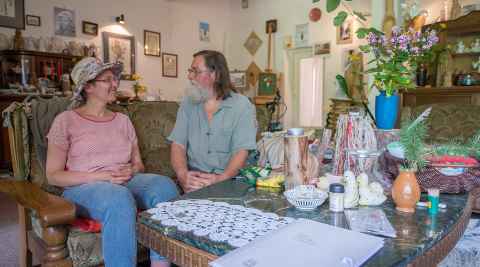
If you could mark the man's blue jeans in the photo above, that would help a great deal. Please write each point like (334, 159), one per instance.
(115, 206)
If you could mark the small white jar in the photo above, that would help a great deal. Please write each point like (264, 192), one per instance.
(336, 193)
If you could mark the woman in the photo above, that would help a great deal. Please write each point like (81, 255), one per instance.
(93, 154)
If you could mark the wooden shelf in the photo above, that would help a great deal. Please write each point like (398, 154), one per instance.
(469, 54)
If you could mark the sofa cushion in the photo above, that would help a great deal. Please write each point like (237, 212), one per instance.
(153, 122)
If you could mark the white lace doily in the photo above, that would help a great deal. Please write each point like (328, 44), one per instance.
(217, 221)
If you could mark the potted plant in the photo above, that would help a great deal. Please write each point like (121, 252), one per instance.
(138, 88)
(405, 189)
(395, 63)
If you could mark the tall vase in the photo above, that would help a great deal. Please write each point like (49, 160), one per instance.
(406, 191)
(386, 110)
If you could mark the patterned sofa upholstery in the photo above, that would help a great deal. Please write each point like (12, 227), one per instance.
(448, 121)
(153, 122)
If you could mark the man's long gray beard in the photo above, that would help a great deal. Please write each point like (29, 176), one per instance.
(197, 94)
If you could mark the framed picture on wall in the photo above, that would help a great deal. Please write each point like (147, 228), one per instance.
(32, 20)
(169, 65)
(89, 28)
(152, 43)
(345, 32)
(267, 84)
(12, 14)
(321, 48)
(120, 48)
(64, 22)
(239, 80)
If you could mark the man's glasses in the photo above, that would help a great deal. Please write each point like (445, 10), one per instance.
(196, 72)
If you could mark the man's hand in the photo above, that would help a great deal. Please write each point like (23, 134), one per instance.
(195, 180)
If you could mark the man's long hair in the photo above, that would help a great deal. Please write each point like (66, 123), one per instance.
(215, 61)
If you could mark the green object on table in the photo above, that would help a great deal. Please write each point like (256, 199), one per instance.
(252, 173)
(433, 204)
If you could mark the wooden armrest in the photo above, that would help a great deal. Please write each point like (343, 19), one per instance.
(51, 210)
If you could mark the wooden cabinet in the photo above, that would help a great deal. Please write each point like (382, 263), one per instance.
(449, 64)
(455, 94)
(23, 68)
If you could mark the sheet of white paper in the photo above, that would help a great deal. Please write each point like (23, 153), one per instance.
(304, 243)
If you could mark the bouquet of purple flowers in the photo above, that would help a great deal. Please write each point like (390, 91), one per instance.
(396, 58)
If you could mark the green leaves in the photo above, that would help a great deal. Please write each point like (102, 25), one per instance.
(340, 18)
(360, 15)
(332, 5)
(363, 32)
(343, 84)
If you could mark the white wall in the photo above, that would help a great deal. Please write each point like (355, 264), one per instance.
(288, 14)
(177, 21)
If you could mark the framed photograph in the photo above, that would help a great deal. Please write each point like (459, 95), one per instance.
(253, 43)
(64, 22)
(321, 48)
(89, 28)
(244, 3)
(267, 84)
(345, 32)
(152, 43)
(271, 26)
(12, 14)
(301, 35)
(32, 20)
(120, 48)
(169, 65)
(239, 80)
(204, 30)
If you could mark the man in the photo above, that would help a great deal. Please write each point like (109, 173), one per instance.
(215, 126)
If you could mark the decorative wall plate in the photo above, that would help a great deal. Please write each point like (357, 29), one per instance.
(252, 43)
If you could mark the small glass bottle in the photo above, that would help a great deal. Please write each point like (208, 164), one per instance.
(337, 192)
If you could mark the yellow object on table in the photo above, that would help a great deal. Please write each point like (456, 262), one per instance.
(272, 181)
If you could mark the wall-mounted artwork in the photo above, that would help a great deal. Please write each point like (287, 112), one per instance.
(267, 84)
(244, 3)
(345, 32)
(89, 28)
(120, 48)
(32, 20)
(271, 26)
(169, 65)
(152, 43)
(12, 14)
(252, 43)
(204, 30)
(252, 74)
(301, 35)
(64, 22)
(239, 80)
(321, 48)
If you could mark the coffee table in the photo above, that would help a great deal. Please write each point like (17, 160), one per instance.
(422, 239)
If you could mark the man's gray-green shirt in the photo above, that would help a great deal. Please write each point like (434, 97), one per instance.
(210, 146)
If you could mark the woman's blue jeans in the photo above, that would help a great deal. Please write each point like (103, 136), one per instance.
(115, 206)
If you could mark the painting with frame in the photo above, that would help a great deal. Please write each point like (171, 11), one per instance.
(89, 28)
(32, 20)
(120, 48)
(12, 14)
(169, 65)
(152, 43)
(239, 80)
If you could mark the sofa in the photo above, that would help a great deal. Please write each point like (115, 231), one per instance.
(49, 234)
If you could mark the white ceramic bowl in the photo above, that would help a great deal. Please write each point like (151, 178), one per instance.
(395, 149)
(305, 197)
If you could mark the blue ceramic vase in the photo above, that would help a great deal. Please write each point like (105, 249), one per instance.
(386, 110)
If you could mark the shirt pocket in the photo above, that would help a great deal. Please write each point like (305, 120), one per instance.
(223, 140)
